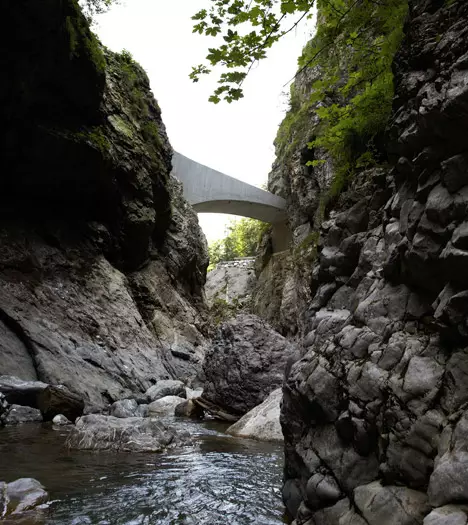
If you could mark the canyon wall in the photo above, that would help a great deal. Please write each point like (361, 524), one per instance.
(374, 409)
(102, 261)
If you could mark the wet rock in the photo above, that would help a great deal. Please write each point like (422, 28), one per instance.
(20, 392)
(189, 408)
(245, 364)
(124, 408)
(24, 494)
(3, 408)
(50, 400)
(55, 400)
(165, 387)
(133, 434)
(3, 499)
(164, 406)
(262, 422)
(61, 420)
(19, 414)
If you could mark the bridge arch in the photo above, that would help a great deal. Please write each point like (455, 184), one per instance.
(210, 191)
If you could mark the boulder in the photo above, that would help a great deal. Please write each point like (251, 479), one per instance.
(124, 408)
(55, 400)
(262, 422)
(191, 394)
(133, 434)
(165, 387)
(245, 364)
(50, 400)
(448, 515)
(390, 505)
(165, 406)
(321, 491)
(189, 408)
(19, 392)
(18, 414)
(61, 420)
(449, 479)
(3, 408)
(22, 495)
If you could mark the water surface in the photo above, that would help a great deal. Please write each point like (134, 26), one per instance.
(217, 480)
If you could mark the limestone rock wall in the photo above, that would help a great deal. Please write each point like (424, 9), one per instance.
(102, 262)
(374, 410)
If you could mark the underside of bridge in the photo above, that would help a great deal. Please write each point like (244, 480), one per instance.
(210, 191)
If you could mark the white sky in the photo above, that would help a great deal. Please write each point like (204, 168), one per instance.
(236, 139)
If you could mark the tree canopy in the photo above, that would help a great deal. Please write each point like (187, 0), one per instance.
(244, 31)
(241, 240)
(91, 8)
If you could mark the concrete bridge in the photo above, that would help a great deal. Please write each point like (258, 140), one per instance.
(210, 191)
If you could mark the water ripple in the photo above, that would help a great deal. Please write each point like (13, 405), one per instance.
(217, 481)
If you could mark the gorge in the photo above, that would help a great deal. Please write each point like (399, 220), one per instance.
(361, 322)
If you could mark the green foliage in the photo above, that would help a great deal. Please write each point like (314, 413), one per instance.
(95, 137)
(91, 8)
(134, 80)
(352, 54)
(241, 240)
(248, 29)
(369, 30)
(83, 42)
(221, 310)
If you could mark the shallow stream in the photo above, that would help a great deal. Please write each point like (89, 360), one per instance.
(217, 480)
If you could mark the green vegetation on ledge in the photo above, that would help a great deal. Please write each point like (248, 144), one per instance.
(82, 41)
(352, 89)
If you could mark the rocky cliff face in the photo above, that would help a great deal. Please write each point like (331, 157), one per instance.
(374, 411)
(102, 262)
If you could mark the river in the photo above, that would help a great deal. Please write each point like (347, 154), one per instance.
(216, 480)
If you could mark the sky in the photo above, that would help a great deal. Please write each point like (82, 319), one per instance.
(236, 139)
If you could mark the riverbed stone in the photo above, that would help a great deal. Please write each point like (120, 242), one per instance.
(61, 421)
(165, 387)
(448, 515)
(165, 406)
(262, 422)
(20, 392)
(57, 399)
(24, 494)
(124, 408)
(189, 408)
(18, 414)
(245, 364)
(133, 434)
